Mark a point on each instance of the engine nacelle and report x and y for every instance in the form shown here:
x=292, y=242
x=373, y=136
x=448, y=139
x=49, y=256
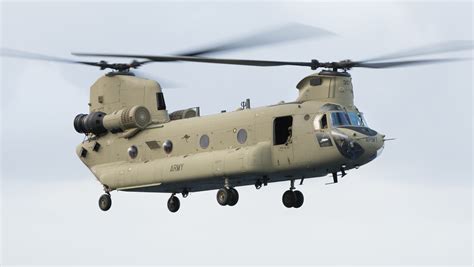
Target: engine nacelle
x=185, y=113
x=134, y=117
x=118, y=121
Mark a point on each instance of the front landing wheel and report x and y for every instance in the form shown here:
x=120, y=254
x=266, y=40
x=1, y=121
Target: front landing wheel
x=223, y=196
x=105, y=202
x=173, y=204
x=234, y=197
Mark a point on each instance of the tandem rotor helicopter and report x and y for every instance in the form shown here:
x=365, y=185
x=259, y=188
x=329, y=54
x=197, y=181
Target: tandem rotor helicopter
x=133, y=143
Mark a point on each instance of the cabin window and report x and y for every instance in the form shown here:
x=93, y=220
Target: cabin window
x=204, y=141
x=242, y=136
x=132, y=152
x=282, y=130
x=160, y=101
x=168, y=146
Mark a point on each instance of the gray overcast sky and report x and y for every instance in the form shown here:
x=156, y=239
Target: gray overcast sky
x=413, y=205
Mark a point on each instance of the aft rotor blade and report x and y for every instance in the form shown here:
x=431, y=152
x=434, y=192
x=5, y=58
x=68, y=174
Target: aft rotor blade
x=6, y=52
x=439, y=48
x=284, y=33
x=245, y=62
x=394, y=64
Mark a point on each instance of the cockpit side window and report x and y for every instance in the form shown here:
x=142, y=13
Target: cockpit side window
x=362, y=118
x=320, y=121
x=324, y=122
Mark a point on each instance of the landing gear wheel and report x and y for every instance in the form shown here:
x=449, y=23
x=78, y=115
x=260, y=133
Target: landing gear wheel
x=234, y=197
x=105, y=202
x=299, y=199
x=223, y=196
x=289, y=199
x=173, y=204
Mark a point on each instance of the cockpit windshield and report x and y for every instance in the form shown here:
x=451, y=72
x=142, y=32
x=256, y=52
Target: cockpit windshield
x=340, y=118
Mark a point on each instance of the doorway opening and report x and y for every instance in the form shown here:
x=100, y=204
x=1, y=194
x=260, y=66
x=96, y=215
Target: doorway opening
x=282, y=130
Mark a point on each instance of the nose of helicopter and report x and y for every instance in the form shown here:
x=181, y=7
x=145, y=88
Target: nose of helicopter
x=373, y=146
x=359, y=144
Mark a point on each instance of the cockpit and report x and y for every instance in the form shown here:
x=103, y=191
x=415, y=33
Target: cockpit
x=346, y=129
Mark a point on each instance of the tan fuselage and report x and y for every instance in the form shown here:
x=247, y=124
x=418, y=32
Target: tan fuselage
x=191, y=166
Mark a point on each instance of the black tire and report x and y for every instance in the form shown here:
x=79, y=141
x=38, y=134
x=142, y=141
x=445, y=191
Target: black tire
x=105, y=202
x=223, y=196
x=234, y=197
x=173, y=204
x=289, y=199
x=299, y=199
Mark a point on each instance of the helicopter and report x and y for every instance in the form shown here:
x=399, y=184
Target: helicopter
x=133, y=143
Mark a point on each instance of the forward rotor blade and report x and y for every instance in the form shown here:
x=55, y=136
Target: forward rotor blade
x=246, y=62
x=284, y=33
x=444, y=47
x=6, y=52
x=394, y=64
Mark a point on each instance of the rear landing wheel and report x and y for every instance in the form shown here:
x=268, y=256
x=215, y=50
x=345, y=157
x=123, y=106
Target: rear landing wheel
x=299, y=199
x=105, y=202
x=173, y=204
x=289, y=199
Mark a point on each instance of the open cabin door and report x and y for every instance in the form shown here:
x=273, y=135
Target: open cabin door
x=282, y=149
